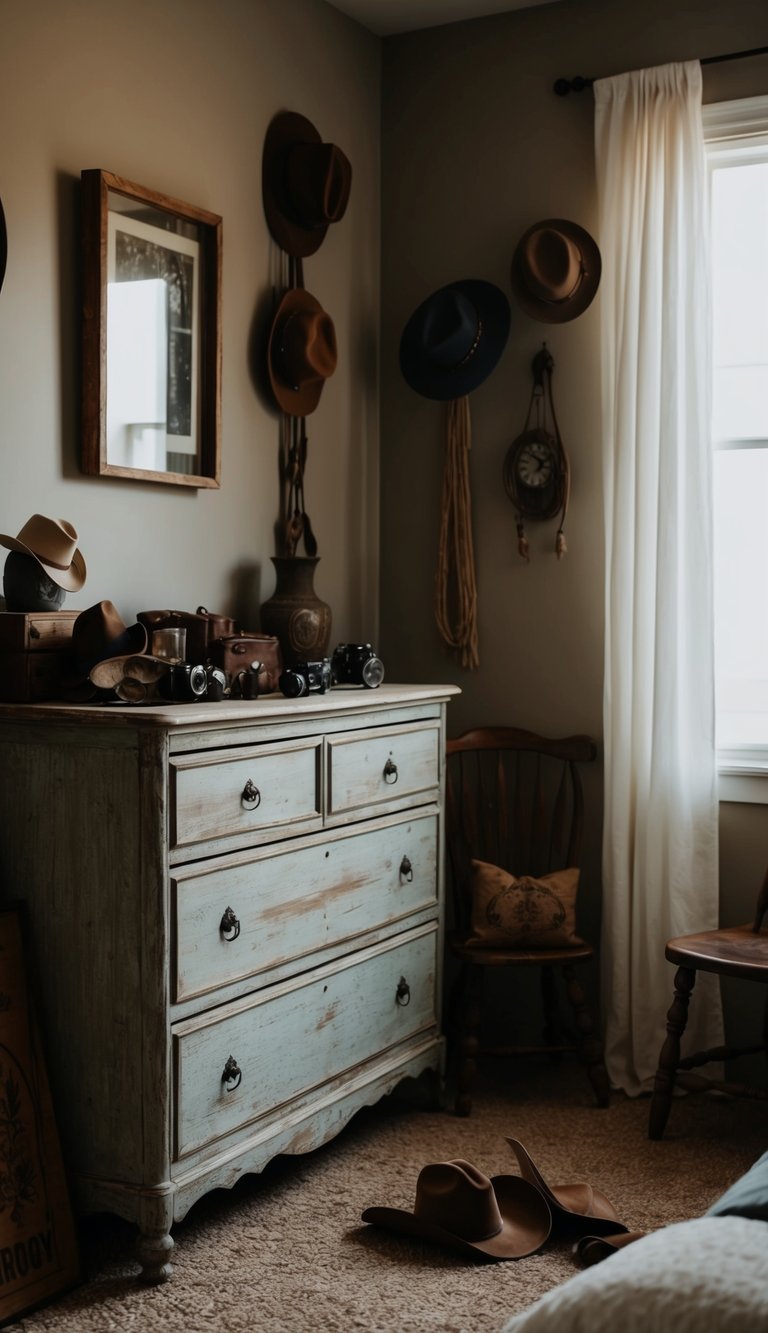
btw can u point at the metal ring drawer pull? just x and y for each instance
(403, 992)
(390, 772)
(406, 870)
(229, 926)
(232, 1075)
(250, 796)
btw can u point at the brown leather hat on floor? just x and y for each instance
(52, 542)
(459, 1207)
(305, 184)
(301, 354)
(555, 270)
(576, 1209)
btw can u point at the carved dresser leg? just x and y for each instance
(153, 1250)
(677, 1017)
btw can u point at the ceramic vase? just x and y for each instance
(294, 613)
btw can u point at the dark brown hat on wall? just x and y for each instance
(555, 270)
(301, 354)
(305, 184)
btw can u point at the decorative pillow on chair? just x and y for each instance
(523, 913)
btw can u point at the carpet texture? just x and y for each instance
(286, 1251)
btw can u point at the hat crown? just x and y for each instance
(459, 1198)
(318, 177)
(450, 329)
(553, 264)
(52, 540)
(308, 347)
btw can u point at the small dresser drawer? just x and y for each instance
(217, 793)
(235, 917)
(289, 1039)
(383, 766)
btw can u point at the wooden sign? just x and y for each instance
(38, 1247)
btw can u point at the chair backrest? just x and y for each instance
(515, 799)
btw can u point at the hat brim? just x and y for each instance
(301, 401)
(433, 382)
(285, 131)
(139, 666)
(526, 1224)
(558, 312)
(70, 579)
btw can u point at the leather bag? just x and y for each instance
(237, 652)
(202, 627)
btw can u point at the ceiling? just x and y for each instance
(385, 17)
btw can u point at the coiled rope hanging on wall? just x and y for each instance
(455, 584)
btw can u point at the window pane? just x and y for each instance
(740, 301)
(741, 595)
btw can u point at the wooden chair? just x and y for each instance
(515, 799)
(737, 951)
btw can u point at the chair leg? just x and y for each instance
(468, 1040)
(664, 1082)
(589, 1045)
(553, 1035)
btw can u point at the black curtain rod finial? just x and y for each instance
(576, 85)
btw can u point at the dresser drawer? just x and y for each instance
(386, 765)
(217, 793)
(299, 1035)
(237, 916)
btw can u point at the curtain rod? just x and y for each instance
(577, 85)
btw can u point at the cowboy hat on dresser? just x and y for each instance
(555, 270)
(52, 542)
(459, 1207)
(305, 184)
(301, 353)
(454, 339)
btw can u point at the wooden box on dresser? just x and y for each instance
(235, 916)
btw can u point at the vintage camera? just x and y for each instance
(356, 664)
(306, 678)
(184, 682)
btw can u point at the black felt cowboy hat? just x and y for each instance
(301, 353)
(305, 184)
(459, 1207)
(52, 542)
(555, 270)
(453, 340)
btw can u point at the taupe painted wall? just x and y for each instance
(177, 95)
(475, 148)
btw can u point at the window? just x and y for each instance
(737, 149)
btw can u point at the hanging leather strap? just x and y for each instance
(455, 585)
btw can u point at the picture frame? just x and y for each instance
(39, 1256)
(151, 392)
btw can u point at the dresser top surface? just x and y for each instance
(270, 708)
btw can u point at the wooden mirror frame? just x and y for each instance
(97, 187)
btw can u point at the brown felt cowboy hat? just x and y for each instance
(98, 634)
(555, 270)
(459, 1207)
(52, 542)
(301, 354)
(305, 184)
(575, 1209)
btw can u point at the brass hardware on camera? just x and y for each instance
(232, 1075)
(403, 993)
(229, 926)
(250, 796)
(406, 870)
(390, 772)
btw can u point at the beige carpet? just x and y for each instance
(286, 1251)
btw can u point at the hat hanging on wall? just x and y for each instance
(305, 184)
(454, 339)
(555, 270)
(301, 353)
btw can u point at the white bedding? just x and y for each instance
(708, 1275)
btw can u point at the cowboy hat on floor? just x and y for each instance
(453, 340)
(555, 270)
(459, 1207)
(305, 184)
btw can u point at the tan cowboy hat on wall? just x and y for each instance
(301, 354)
(52, 542)
(555, 270)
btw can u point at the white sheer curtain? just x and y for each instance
(660, 873)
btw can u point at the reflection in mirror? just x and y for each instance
(152, 357)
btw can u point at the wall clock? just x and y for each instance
(536, 469)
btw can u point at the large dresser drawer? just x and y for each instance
(217, 793)
(386, 765)
(236, 917)
(289, 1039)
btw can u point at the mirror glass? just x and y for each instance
(151, 335)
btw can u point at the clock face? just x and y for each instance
(535, 464)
